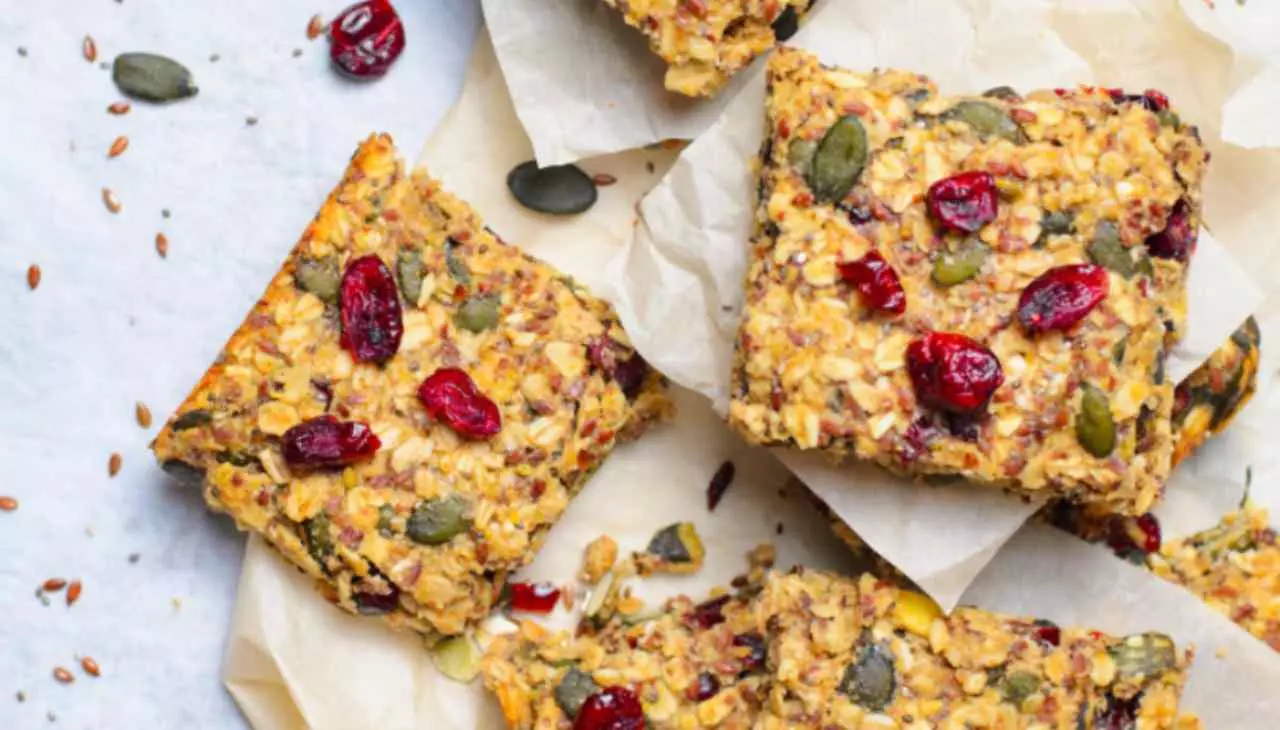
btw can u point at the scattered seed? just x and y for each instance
(120, 107)
(315, 27)
(33, 276)
(73, 592)
(90, 667)
(8, 504)
(134, 557)
(164, 213)
(114, 463)
(162, 247)
(90, 49)
(42, 597)
(110, 200)
(719, 484)
(297, 53)
(251, 121)
(142, 414)
(22, 51)
(214, 58)
(54, 584)
(22, 696)
(119, 146)
(778, 529)
(603, 179)
(649, 167)
(62, 675)
(152, 77)
(557, 190)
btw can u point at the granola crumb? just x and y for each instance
(315, 27)
(177, 603)
(598, 559)
(1221, 652)
(567, 597)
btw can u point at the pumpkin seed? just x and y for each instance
(678, 543)
(800, 154)
(1017, 686)
(319, 541)
(786, 24)
(1168, 119)
(1006, 93)
(386, 513)
(573, 690)
(870, 681)
(409, 274)
(1143, 656)
(838, 160)
(184, 473)
(1057, 223)
(954, 267)
(152, 77)
(1095, 428)
(1107, 251)
(1118, 352)
(320, 277)
(1224, 538)
(603, 603)
(235, 458)
(457, 658)
(458, 268)
(986, 119)
(477, 314)
(557, 190)
(437, 521)
(192, 419)
(1247, 336)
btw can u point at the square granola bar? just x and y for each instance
(983, 287)
(412, 403)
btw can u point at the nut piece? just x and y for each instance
(598, 559)
(142, 414)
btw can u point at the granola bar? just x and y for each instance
(408, 439)
(974, 286)
(705, 42)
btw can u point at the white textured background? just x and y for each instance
(112, 323)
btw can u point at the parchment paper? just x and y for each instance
(690, 252)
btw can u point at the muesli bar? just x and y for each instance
(980, 286)
(412, 403)
(705, 42)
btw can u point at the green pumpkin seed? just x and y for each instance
(1017, 686)
(1168, 119)
(457, 267)
(457, 658)
(477, 314)
(319, 277)
(557, 190)
(1057, 223)
(1224, 538)
(152, 77)
(1247, 336)
(603, 603)
(386, 513)
(437, 521)
(870, 680)
(573, 690)
(1006, 93)
(838, 160)
(1118, 352)
(184, 473)
(1107, 251)
(800, 155)
(678, 543)
(319, 541)
(409, 274)
(1141, 657)
(192, 419)
(955, 267)
(235, 458)
(1095, 428)
(986, 119)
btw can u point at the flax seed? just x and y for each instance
(315, 27)
(142, 414)
(62, 675)
(114, 464)
(90, 49)
(603, 179)
(118, 146)
(90, 667)
(120, 107)
(54, 584)
(73, 592)
(33, 276)
(8, 504)
(110, 200)
(162, 245)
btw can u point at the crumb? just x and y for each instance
(297, 52)
(1221, 652)
(649, 166)
(251, 121)
(164, 213)
(52, 717)
(778, 529)
(598, 559)
(134, 557)
(177, 603)
(214, 58)
(567, 597)
(22, 51)
(22, 696)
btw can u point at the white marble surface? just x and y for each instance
(112, 323)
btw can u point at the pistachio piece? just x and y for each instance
(838, 160)
(870, 680)
(436, 521)
(955, 267)
(457, 658)
(986, 119)
(573, 690)
(557, 190)
(409, 274)
(477, 314)
(152, 77)
(1095, 428)
(800, 154)
(1140, 657)
(319, 277)
(678, 544)
(1017, 686)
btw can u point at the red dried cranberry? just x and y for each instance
(1061, 297)
(1149, 526)
(708, 613)
(1047, 633)
(1151, 100)
(612, 708)
(877, 282)
(452, 398)
(1181, 399)
(1135, 540)
(953, 373)
(916, 440)
(720, 482)
(964, 202)
(534, 597)
(366, 38)
(372, 323)
(703, 688)
(605, 355)
(1119, 714)
(324, 441)
(1178, 239)
(376, 604)
(754, 644)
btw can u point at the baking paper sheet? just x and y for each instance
(690, 252)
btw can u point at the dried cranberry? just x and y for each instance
(1061, 297)
(964, 202)
(1047, 633)
(366, 38)
(1178, 239)
(452, 398)
(754, 643)
(1134, 540)
(612, 708)
(916, 440)
(1181, 399)
(953, 373)
(703, 688)
(324, 441)
(372, 323)
(1150, 528)
(1119, 714)
(1151, 100)
(534, 597)
(376, 604)
(877, 282)
(628, 373)
(720, 482)
(964, 426)
(708, 613)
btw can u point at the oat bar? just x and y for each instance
(705, 42)
(976, 286)
(412, 403)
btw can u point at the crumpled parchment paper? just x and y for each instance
(678, 285)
